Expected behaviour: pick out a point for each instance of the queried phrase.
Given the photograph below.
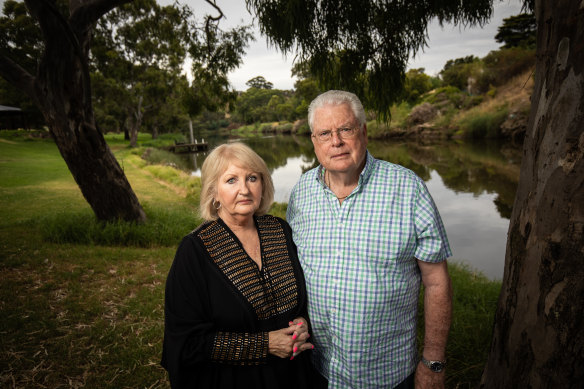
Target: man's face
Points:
(339, 155)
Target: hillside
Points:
(448, 112)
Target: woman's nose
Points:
(244, 187)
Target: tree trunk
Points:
(61, 89)
(138, 115)
(538, 339)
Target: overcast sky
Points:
(444, 43)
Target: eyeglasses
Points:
(324, 136)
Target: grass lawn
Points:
(82, 303)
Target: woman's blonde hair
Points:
(215, 165)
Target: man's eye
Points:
(345, 130)
(324, 134)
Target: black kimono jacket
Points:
(219, 308)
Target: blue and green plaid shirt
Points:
(362, 278)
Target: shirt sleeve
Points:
(290, 210)
(432, 242)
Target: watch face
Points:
(436, 366)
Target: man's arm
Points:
(437, 318)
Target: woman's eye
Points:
(252, 178)
(231, 181)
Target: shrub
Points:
(502, 65)
(266, 128)
(284, 128)
(484, 124)
(444, 94)
(301, 127)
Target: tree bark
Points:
(61, 89)
(538, 339)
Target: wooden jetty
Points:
(187, 147)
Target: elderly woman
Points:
(235, 303)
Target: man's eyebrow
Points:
(345, 125)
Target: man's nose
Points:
(336, 140)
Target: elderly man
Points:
(367, 233)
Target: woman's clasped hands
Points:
(290, 341)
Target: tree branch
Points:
(210, 19)
(17, 76)
(85, 14)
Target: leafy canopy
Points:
(259, 82)
(360, 45)
(517, 31)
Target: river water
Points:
(472, 183)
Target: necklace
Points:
(329, 185)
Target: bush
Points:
(502, 65)
(266, 128)
(445, 94)
(301, 127)
(284, 128)
(484, 124)
(377, 129)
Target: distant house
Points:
(11, 118)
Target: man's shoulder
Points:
(308, 179)
(389, 169)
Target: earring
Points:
(215, 206)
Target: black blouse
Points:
(219, 308)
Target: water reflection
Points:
(473, 184)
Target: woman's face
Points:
(239, 191)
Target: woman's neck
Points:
(238, 223)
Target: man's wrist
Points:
(436, 366)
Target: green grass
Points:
(474, 303)
(82, 302)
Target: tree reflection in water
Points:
(473, 184)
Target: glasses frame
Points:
(325, 136)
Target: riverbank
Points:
(82, 303)
(443, 113)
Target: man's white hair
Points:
(337, 97)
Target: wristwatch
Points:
(435, 366)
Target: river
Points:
(472, 183)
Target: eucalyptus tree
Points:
(21, 30)
(259, 82)
(137, 54)
(53, 69)
(538, 339)
(518, 30)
